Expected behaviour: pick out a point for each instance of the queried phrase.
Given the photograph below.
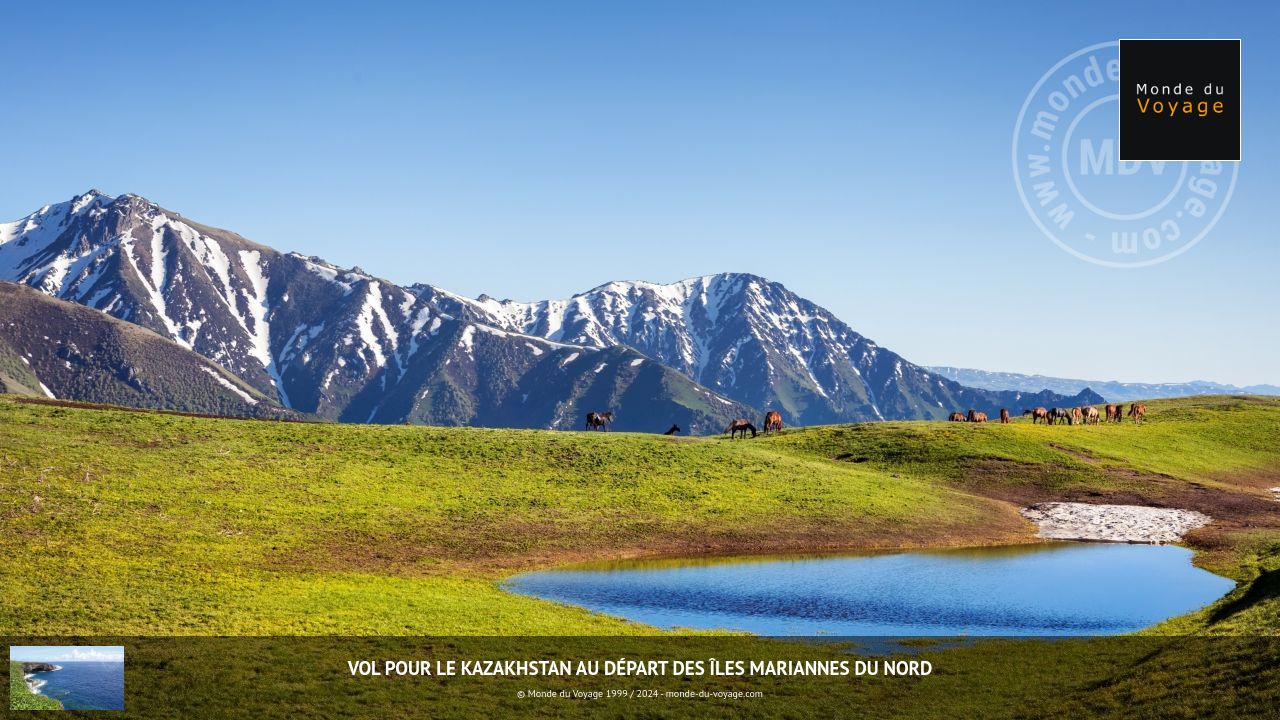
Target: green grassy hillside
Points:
(126, 522)
(21, 697)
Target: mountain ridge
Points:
(750, 338)
(1111, 390)
(345, 345)
(324, 340)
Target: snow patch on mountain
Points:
(230, 386)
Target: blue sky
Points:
(66, 653)
(530, 150)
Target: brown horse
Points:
(1090, 415)
(1114, 413)
(956, 417)
(672, 430)
(1077, 416)
(772, 422)
(740, 425)
(599, 421)
(977, 417)
(1004, 416)
(1037, 414)
(1137, 411)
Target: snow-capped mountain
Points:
(337, 343)
(345, 345)
(748, 338)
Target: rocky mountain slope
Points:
(337, 343)
(345, 345)
(56, 349)
(751, 339)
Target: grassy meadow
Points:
(143, 523)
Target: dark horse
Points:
(740, 425)
(772, 422)
(672, 430)
(1059, 415)
(599, 421)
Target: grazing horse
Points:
(672, 430)
(977, 417)
(1091, 415)
(1137, 411)
(1077, 415)
(1004, 416)
(740, 425)
(1114, 413)
(599, 421)
(1059, 415)
(1037, 414)
(772, 422)
(956, 417)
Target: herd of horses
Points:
(772, 423)
(1084, 415)
(741, 426)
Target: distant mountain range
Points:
(1111, 390)
(344, 345)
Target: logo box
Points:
(1180, 100)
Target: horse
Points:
(1077, 416)
(1137, 411)
(956, 417)
(599, 421)
(740, 425)
(1091, 415)
(772, 422)
(977, 417)
(1114, 413)
(672, 430)
(1037, 414)
(1059, 415)
(1004, 416)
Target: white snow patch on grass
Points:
(1113, 523)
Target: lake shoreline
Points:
(899, 594)
(1042, 524)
